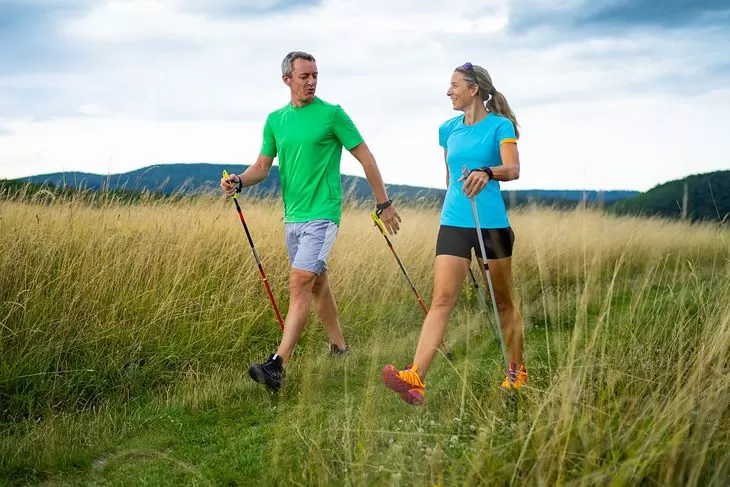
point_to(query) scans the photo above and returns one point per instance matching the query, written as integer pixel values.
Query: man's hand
(474, 183)
(230, 184)
(390, 219)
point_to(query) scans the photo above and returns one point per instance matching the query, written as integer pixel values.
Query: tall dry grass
(159, 304)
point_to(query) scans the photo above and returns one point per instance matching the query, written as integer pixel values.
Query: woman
(484, 140)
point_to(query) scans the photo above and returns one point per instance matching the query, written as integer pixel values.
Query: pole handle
(378, 222)
(225, 175)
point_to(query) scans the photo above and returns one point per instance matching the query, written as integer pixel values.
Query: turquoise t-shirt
(308, 141)
(474, 146)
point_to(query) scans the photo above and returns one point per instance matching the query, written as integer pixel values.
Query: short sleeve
(443, 135)
(268, 145)
(345, 130)
(506, 132)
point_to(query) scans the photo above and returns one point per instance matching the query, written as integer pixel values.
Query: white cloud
(112, 145)
(143, 20)
(167, 81)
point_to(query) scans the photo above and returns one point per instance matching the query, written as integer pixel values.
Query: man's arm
(362, 153)
(390, 217)
(255, 173)
(258, 171)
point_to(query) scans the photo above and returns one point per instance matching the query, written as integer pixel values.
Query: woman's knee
(444, 300)
(449, 273)
(505, 303)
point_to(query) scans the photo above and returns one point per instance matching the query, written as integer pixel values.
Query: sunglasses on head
(469, 67)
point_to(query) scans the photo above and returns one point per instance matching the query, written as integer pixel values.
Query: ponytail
(497, 103)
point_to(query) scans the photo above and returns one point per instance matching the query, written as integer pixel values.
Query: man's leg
(326, 306)
(308, 244)
(309, 254)
(300, 291)
(271, 372)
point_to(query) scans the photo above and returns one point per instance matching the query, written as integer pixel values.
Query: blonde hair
(495, 101)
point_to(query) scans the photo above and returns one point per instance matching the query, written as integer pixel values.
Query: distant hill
(708, 194)
(708, 198)
(201, 177)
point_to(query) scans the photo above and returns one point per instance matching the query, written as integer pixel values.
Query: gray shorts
(309, 244)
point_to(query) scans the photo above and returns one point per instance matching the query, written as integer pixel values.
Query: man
(308, 135)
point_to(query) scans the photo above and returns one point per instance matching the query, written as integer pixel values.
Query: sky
(609, 94)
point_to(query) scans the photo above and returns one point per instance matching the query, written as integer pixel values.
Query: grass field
(126, 332)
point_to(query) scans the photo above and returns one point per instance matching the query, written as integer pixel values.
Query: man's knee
(320, 284)
(301, 282)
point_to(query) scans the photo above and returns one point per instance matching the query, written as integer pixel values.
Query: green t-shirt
(308, 142)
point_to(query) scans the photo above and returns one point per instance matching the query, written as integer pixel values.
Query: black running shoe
(271, 373)
(335, 350)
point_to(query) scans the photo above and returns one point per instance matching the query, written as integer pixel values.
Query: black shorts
(459, 241)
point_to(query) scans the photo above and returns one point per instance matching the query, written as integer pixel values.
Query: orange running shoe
(406, 382)
(515, 378)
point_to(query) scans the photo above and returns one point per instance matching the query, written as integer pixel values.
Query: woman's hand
(474, 183)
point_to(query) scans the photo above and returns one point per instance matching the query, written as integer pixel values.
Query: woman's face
(461, 95)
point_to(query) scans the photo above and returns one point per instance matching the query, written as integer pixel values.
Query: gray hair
(495, 101)
(287, 65)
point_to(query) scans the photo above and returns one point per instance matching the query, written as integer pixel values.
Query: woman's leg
(500, 272)
(449, 274)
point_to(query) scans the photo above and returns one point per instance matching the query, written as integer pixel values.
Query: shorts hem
(317, 268)
(461, 241)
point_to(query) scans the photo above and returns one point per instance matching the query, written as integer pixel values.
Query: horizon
(342, 174)
(107, 87)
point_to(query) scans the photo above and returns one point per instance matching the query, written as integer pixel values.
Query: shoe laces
(512, 372)
(410, 376)
(273, 367)
(522, 373)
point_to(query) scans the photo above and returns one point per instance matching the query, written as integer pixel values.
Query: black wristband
(239, 184)
(379, 207)
(485, 169)
(382, 206)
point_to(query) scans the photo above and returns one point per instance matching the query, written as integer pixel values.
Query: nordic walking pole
(481, 298)
(379, 224)
(476, 287)
(256, 256)
(485, 271)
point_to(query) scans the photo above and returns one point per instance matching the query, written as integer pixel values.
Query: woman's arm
(447, 170)
(510, 168)
(508, 171)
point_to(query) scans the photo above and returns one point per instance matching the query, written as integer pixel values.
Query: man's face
(303, 80)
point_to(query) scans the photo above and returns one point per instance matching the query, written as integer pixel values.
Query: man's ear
(286, 80)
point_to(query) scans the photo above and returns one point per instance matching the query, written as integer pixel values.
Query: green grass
(126, 331)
